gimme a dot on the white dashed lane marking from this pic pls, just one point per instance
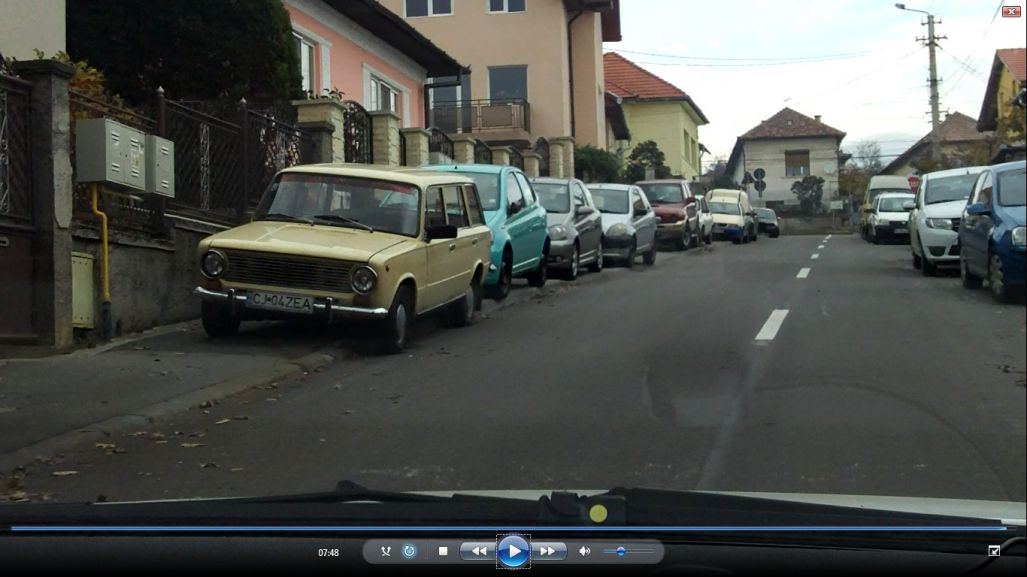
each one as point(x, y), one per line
point(803, 273)
point(773, 324)
point(815, 256)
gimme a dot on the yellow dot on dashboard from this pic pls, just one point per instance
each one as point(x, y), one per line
point(597, 513)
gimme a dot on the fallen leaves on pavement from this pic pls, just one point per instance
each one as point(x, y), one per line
point(64, 473)
point(193, 445)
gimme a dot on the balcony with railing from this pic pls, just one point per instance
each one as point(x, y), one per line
point(507, 120)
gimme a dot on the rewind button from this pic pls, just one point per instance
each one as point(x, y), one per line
point(478, 551)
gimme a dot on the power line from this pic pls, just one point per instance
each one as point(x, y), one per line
point(862, 76)
point(987, 29)
point(717, 58)
point(739, 65)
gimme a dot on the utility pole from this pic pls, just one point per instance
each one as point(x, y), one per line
point(931, 41)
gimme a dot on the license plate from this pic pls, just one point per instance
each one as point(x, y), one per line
point(280, 302)
point(901, 231)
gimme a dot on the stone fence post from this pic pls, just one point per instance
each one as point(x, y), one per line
point(567, 148)
point(501, 155)
point(463, 148)
point(319, 115)
point(531, 164)
point(385, 144)
point(555, 158)
point(417, 146)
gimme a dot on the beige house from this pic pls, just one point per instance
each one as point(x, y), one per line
point(788, 146)
point(961, 145)
point(1002, 109)
point(536, 66)
point(25, 27)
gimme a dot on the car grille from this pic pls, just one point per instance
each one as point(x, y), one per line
point(288, 271)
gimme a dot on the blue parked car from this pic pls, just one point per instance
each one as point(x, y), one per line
point(520, 238)
point(992, 235)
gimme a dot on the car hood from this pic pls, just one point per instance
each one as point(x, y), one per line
point(610, 219)
point(675, 209)
point(951, 209)
point(1015, 214)
point(894, 216)
point(727, 218)
point(297, 238)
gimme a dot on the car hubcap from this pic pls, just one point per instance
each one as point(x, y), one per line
point(996, 275)
point(469, 301)
point(401, 323)
point(574, 263)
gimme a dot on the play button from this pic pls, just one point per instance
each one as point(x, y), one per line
point(513, 551)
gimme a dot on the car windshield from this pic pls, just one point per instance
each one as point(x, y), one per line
point(725, 208)
point(874, 193)
point(949, 188)
point(766, 215)
point(555, 197)
point(1011, 188)
point(893, 204)
point(343, 201)
point(488, 188)
point(611, 200)
point(663, 193)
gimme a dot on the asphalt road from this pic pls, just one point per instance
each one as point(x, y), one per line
point(876, 381)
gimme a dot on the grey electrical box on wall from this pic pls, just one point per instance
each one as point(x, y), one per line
point(110, 152)
point(160, 166)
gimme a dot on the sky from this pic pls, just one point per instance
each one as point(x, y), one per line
point(855, 62)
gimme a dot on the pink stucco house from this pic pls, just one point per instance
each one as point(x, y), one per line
point(369, 53)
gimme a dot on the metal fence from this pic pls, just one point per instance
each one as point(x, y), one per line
point(358, 134)
point(541, 148)
point(482, 115)
point(402, 149)
point(269, 145)
point(482, 152)
point(15, 156)
point(440, 143)
point(516, 158)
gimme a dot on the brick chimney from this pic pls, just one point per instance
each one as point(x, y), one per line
point(817, 118)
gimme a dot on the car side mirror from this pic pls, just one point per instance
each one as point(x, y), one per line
point(977, 209)
point(514, 208)
point(908, 205)
point(584, 210)
point(440, 231)
point(689, 200)
point(641, 212)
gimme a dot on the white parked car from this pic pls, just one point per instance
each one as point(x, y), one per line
point(889, 218)
point(935, 219)
point(705, 220)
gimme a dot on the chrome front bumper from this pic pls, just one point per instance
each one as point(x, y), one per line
point(325, 306)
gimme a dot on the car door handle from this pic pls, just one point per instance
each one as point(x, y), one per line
point(474, 241)
point(452, 246)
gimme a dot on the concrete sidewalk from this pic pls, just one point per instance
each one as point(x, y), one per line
point(48, 404)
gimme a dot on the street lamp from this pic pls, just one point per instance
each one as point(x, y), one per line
point(932, 42)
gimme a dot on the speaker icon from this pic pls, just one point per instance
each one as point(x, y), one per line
point(584, 551)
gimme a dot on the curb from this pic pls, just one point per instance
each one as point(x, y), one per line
point(143, 417)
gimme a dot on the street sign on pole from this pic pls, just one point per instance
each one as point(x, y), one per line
point(760, 187)
point(759, 174)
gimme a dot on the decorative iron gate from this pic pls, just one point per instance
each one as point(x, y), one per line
point(439, 143)
point(482, 153)
point(516, 158)
point(16, 219)
point(269, 145)
point(357, 133)
point(542, 149)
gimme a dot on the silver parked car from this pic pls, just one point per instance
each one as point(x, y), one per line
point(629, 223)
point(575, 226)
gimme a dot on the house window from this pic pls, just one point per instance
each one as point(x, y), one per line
point(383, 97)
point(508, 83)
point(797, 163)
point(429, 8)
point(507, 5)
point(305, 51)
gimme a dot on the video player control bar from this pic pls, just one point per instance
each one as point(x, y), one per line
point(573, 552)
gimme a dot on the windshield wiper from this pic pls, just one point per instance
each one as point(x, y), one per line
point(286, 218)
point(946, 200)
point(343, 220)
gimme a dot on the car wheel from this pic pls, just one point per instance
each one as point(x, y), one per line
point(918, 263)
point(501, 289)
point(682, 242)
point(755, 234)
point(927, 268)
point(997, 280)
point(572, 272)
point(538, 277)
point(461, 312)
point(649, 258)
point(693, 239)
point(630, 263)
point(217, 321)
point(597, 264)
point(970, 280)
point(775, 234)
point(736, 240)
point(394, 329)
point(708, 237)
point(874, 238)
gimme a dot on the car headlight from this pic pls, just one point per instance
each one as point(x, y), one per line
point(1019, 236)
point(213, 264)
point(558, 232)
point(618, 229)
point(363, 280)
point(939, 223)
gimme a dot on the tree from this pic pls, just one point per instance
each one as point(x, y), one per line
point(869, 156)
point(646, 155)
point(195, 49)
point(593, 164)
point(810, 191)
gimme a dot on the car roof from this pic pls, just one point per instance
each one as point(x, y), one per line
point(661, 181)
point(551, 180)
point(887, 181)
point(478, 168)
point(1007, 166)
point(406, 176)
point(955, 172)
point(610, 185)
point(724, 190)
point(896, 195)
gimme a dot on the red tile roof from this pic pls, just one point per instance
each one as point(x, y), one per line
point(1015, 60)
point(956, 128)
point(632, 82)
point(788, 123)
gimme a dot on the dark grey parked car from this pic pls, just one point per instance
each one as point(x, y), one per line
point(575, 226)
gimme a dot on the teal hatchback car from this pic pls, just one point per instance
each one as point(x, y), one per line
point(520, 238)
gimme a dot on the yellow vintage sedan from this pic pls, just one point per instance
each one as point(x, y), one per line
point(334, 242)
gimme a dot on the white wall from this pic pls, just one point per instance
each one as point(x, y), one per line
point(29, 24)
point(770, 156)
